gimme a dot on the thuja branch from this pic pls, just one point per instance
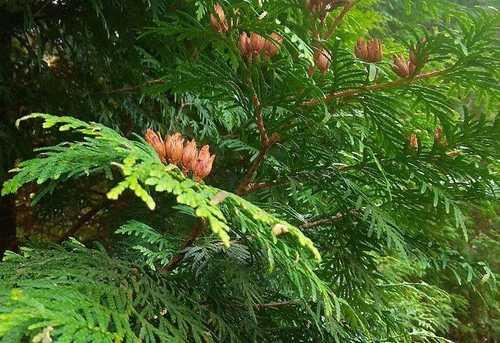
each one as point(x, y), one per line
point(347, 93)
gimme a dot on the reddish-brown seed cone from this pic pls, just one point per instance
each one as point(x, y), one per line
point(361, 49)
point(244, 44)
point(204, 163)
point(218, 20)
point(257, 43)
point(322, 59)
point(157, 143)
point(371, 51)
point(174, 146)
point(272, 45)
point(375, 51)
point(189, 156)
point(413, 141)
point(402, 66)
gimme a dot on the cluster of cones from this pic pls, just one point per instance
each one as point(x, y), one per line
point(371, 51)
point(254, 44)
point(250, 45)
point(174, 149)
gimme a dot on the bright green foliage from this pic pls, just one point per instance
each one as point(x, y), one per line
point(86, 296)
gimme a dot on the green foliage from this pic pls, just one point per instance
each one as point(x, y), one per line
point(84, 295)
point(352, 233)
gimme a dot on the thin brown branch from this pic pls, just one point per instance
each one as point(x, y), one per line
point(136, 87)
point(259, 118)
point(243, 187)
point(326, 221)
point(83, 220)
point(347, 93)
point(266, 143)
point(339, 18)
point(177, 259)
point(257, 186)
point(277, 304)
point(320, 222)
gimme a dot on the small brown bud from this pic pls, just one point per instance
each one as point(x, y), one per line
point(314, 6)
point(322, 60)
point(155, 140)
point(218, 21)
point(189, 156)
point(174, 146)
point(204, 163)
point(418, 58)
point(413, 141)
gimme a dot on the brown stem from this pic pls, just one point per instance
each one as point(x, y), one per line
point(133, 88)
point(84, 220)
point(266, 143)
point(336, 22)
point(347, 93)
point(324, 221)
point(259, 118)
point(277, 304)
point(177, 259)
point(257, 186)
point(243, 187)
